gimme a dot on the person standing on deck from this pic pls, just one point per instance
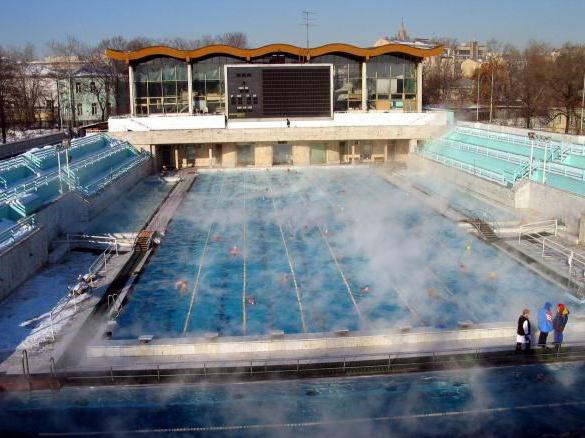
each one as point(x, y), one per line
point(559, 323)
point(523, 333)
point(545, 323)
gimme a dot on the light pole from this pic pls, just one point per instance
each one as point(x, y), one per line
point(531, 158)
point(582, 105)
point(477, 105)
point(492, 96)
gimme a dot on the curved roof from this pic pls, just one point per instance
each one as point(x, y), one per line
point(219, 49)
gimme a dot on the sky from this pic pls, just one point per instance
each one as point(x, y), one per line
point(266, 21)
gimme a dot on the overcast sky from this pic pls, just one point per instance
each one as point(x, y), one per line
point(266, 21)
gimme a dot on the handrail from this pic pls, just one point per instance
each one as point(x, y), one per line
point(498, 177)
point(19, 229)
point(540, 227)
point(494, 153)
point(22, 189)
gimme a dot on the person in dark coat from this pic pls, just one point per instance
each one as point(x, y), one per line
point(523, 332)
point(559, 323)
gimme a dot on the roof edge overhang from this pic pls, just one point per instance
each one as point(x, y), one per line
point(219, 50)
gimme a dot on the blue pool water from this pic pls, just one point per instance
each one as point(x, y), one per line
point(531, 400)
point(319, 249)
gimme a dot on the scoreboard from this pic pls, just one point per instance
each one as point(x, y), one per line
point(278, 91)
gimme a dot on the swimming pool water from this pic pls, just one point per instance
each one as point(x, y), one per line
point(511, 401)
point(318, 250)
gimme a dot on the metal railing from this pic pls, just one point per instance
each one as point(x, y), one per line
point(498, 177)
point(565, 170)
point(508, 138)
point(22, 189)
point(18, 230)
point(538, 229)
point(482, 150)
point(377, 363)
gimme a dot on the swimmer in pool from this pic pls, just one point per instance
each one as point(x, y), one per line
point(365, 289)
point(234, 251)
point(217, 238)
point(433, 293)
point(181, 286)
point(284, 278)
point(251, 300)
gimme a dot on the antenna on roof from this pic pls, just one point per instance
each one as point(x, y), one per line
point(308, 22)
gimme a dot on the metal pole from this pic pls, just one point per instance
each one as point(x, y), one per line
point(492, 96)
point(477, 106)
point(544, 162)
point(531, 157)
point(582, 105)
point(52, 329)
point(59, 169)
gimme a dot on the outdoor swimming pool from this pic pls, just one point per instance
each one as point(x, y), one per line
point(511, 401)
point(318, 250)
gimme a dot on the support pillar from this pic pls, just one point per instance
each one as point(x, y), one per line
point(353, 153)
point(385, 152)
point(364, 87)
point(176, 148)
point(211, 155)
point(131, 86)
point(190, 85)
point(419, 86)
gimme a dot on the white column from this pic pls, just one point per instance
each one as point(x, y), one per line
point(419, 86)
point(386, 151)
point(190, 85)
point(131, 85)
point(353, 153)
point(176, 157)
point(211, 155)
point(364, 87)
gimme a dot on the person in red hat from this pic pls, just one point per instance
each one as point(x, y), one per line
point(559, 323)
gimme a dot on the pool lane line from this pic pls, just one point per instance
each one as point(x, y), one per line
point(320, 423)
point(397, 290)
point(288, 256)
point(303, 197)
point(244, 249)
point(202, 257)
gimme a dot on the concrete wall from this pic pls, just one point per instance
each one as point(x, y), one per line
point(103, 199)
point(22, 260)
point(553, 203)
point(229, 155)
point(67, 214)
point(470, 182)
point(301, 154)
point(19, 147)
point(263, 155)
point(333, 152)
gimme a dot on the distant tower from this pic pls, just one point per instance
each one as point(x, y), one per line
point(401, 35)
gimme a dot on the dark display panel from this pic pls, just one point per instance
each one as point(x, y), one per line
point(278, 92)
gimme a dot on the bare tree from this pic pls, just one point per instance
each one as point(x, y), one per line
point(7, 74)
point(528, 73)
point(565, 83)
point(236, 39)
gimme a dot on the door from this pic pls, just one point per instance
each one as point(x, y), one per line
point(245, 155)
point(318, 154)
point(281, 154)
point(166, 157)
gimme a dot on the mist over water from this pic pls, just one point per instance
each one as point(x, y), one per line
point(317, 250)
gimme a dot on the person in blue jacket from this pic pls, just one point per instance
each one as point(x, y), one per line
point(545, 323)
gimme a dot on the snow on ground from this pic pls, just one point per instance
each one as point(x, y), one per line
point(25, 319)
point(17, 135)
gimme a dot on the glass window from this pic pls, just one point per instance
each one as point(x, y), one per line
point(209, 83)
point(390, 79)
point(347, 81)
point(161, 86)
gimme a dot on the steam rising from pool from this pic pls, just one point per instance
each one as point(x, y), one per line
point(318, 250)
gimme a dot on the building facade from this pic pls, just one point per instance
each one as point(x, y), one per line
point(188, 111)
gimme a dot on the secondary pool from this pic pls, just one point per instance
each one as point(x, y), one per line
point(532, 400)
point(314, 250)
point(132, 209)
